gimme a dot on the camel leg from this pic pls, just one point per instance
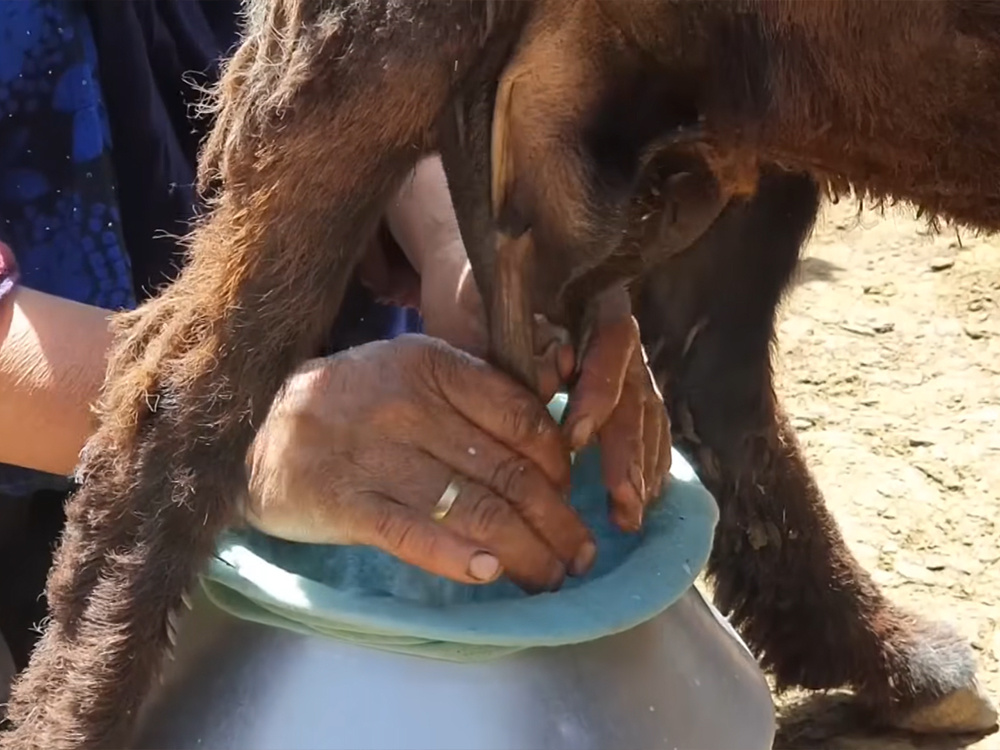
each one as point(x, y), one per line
point(782, 570)
point(314, 132)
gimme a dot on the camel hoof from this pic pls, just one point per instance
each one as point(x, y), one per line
point(965, 710)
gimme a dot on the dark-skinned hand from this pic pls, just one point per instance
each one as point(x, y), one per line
point(359, 447)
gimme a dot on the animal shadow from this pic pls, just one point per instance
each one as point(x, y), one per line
point(812, 269)
point(835, 721)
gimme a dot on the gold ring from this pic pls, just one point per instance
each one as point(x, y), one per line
point(444, 503)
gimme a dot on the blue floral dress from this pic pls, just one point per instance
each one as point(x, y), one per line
point(98, 151)
point(57, 182)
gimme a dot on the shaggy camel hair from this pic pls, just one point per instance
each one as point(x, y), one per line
point(584, 126)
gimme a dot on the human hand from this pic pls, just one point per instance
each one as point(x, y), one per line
point(422, 221)
point(616, 400)
point(615, 397)
point(360, 447)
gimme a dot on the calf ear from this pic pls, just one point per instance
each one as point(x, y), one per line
point(578, 112)
point(501, 158)
point(541, 178)
point(540, 187)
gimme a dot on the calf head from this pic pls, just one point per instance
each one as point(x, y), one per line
point(605, 110)
point(571, 164)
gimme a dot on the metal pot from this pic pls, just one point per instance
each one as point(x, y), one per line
point(682, 681)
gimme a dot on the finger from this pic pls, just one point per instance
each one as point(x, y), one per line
point(378, 521)
point(602, 374)
point(519, 481)
point(418, 480)
point(555, 367)
point(663, 463)
point(500, 406)
point(654, 413)
point(622, 452)
point(470, 306)
point(549, 365)
point(664, 442)
point(547, 333)
point(485, 519)
point(652, 434)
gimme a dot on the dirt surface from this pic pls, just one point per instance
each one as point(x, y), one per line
point(890, 368)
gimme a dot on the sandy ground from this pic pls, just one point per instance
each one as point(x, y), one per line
point(890, 368)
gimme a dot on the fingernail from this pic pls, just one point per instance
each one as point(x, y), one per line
point(581, 433)
point(557, 576)
point(627, 515)
point(484, 567)
point(623, 521)
point(583, 560)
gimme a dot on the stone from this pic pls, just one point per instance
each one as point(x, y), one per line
point(941, 264)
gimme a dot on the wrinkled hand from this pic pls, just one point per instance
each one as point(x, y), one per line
point(359, 448)
point(615, 397)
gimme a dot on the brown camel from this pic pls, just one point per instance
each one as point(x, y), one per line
point(565, 119)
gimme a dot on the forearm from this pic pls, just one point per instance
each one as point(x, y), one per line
point(53, 354)
point(422, 236)
point(422, 219)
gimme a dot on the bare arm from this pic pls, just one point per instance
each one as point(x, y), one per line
point(422, 219)
point(53, 351)
point(52, 361)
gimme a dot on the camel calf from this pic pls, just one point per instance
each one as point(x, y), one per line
point(561, 118)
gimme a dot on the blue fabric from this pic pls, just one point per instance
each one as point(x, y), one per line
point(363, 595)
point(57, 184)
point(98, 153)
